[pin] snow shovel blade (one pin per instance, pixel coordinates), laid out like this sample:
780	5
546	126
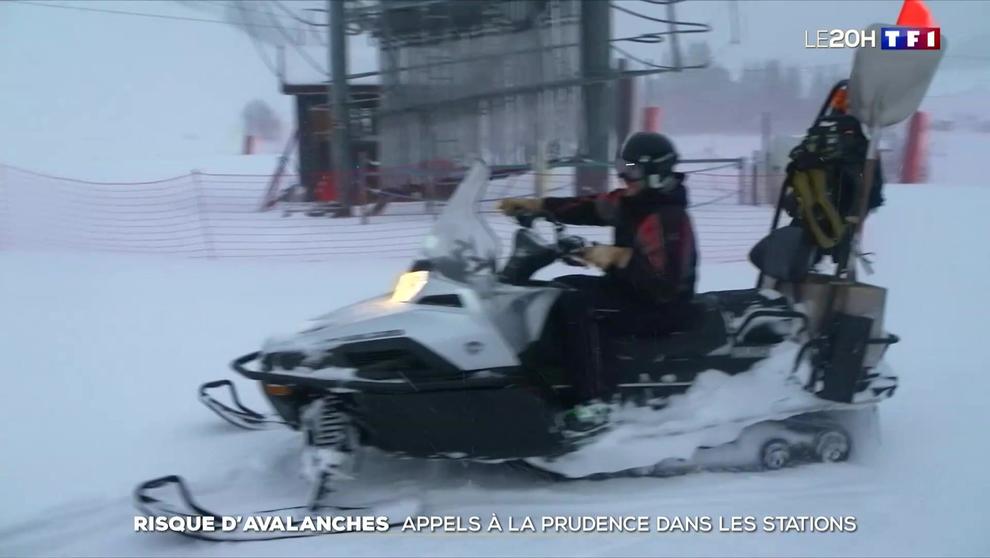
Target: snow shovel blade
887	86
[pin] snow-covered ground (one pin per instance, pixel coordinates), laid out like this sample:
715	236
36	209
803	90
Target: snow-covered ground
102	354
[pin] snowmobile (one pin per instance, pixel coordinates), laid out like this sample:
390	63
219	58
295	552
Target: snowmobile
457	362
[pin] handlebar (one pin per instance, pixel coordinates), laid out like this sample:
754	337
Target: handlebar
530	253
568	246
526	219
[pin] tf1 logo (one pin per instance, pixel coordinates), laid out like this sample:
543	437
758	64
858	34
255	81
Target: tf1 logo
911	38
891	38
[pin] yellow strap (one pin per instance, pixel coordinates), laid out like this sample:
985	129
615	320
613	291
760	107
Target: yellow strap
815	207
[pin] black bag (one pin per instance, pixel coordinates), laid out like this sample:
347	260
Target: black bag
785	254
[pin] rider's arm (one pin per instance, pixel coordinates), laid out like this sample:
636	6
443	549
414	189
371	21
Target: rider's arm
582	210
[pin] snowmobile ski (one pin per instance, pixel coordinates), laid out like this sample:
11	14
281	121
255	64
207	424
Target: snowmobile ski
239	415
169	496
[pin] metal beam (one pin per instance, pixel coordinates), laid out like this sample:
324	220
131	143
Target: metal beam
338	94
675	44
596	64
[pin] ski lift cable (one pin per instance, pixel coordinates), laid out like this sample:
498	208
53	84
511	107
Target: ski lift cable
353	28
136	14
350	27
655	37
649	38
258	49
627	54
633	57
305	55
288	12
705	26
235	4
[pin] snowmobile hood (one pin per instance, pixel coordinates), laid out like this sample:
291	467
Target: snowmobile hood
367	308
323	328
463	335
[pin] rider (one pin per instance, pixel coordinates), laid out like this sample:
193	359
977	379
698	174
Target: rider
649	272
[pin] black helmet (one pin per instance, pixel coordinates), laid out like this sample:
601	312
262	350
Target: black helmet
647	155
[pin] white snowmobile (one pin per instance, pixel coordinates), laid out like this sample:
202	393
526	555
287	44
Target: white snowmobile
450	365
453	364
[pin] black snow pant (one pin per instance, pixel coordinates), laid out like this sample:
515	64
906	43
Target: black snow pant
586	315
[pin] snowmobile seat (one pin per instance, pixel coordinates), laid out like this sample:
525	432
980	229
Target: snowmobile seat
700	327
698	330
745	308
700	333
737	302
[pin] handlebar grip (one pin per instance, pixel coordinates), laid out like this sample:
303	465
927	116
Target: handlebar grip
572	261
525	219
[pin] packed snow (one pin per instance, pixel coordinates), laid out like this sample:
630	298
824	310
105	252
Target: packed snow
104	352
716	410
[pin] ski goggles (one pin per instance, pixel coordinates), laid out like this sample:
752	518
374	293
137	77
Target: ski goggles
629	171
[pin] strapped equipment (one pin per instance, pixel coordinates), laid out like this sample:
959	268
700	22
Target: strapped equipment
815	208
824	175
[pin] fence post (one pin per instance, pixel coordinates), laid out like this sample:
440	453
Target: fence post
204	220
752	184
431	194
362	176
766	130
540	170
741	168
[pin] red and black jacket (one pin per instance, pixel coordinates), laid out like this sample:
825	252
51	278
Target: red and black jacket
656	225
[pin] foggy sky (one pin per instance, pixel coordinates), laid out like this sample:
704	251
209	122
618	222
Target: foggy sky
86	84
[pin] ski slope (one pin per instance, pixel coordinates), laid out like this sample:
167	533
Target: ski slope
102	355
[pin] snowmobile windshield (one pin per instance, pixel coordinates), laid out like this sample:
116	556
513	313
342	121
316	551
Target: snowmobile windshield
461	246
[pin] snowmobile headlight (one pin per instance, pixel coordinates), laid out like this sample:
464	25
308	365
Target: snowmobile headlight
278	390
409	285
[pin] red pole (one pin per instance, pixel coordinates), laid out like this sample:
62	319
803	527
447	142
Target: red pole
651	119
913	170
